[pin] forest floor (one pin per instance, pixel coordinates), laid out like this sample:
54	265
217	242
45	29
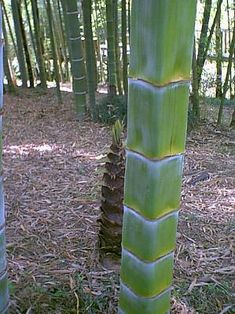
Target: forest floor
53	169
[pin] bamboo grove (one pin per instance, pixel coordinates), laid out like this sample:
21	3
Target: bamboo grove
92	46
88	43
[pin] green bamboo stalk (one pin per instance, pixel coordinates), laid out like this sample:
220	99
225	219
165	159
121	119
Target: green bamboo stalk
30	26
39	55
218	44
229	39
97	19
26	49
20	48
53	48
9	28
129	18
195	87
226	82
7	70
124	47
4	295
63	41
203	33
160	64
66	25
111	48
58	40
116	44
72	26
203	55
90	54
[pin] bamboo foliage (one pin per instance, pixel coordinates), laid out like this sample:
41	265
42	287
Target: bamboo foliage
160	63
4	296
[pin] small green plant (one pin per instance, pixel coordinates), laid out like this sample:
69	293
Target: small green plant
192	120
210	298
111	108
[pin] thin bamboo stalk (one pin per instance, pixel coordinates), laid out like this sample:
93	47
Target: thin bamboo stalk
7	69
19	40
9	28
39	55
111	48
226	82
53	48
30	26
124	47
26	49
90	54
4	299
117	49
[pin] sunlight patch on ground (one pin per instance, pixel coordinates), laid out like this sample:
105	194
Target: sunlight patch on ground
28	148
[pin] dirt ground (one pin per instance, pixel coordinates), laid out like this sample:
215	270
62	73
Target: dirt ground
53	169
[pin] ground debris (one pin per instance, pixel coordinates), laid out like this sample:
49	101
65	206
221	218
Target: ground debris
53	166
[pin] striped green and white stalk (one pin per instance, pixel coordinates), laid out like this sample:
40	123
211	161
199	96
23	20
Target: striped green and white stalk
70	9
161	54
112	73
4	296
91	69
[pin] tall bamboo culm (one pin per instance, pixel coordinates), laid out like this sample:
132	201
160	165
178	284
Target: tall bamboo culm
38	43
4	296
112	73
160	64
72	24
19	40
90	54
53	49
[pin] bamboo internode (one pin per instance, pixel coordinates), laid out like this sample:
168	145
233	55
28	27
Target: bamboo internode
160	62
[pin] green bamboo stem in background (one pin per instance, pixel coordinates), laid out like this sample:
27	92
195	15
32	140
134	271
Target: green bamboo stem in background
65	68
124	47
20	48
53	49
58	39
90	54
58	43
6	60
97	14
226	82
9	28
111	47
72	26
4	295
116	45
162	35
39	55
30	26
219	55
26	48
